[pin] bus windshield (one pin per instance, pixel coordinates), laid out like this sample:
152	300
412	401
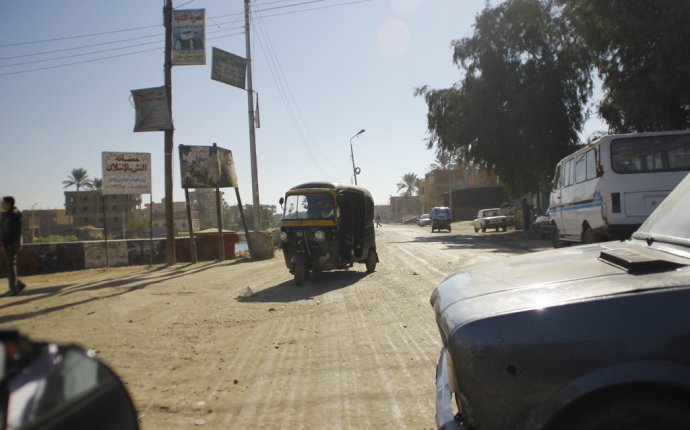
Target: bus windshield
651	154
309	206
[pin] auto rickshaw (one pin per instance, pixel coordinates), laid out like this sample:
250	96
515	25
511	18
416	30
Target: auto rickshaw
440	219
327	226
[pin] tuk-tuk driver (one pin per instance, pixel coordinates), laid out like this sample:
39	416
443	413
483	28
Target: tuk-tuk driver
327	209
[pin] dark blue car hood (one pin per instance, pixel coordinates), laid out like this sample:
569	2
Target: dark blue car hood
543	279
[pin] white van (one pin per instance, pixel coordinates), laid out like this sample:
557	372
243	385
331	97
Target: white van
608	188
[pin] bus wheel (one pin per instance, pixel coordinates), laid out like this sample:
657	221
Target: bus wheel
587	235
300	273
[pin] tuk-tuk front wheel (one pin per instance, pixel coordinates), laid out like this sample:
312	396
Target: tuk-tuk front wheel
372	258
300	272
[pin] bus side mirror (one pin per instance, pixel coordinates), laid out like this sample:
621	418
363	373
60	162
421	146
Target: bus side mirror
281	201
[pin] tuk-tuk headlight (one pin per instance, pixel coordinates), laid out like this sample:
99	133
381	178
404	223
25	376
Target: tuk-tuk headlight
319	236
283	236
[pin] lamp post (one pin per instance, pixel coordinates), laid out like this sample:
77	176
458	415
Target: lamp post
33	222
355	170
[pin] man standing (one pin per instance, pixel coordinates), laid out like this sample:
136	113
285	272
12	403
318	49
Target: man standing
11	238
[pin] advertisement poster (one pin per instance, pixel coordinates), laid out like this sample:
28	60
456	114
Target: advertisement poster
207	167
189	37
126	172
228	68
152	110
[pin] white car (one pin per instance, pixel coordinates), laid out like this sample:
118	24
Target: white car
490	218
424	220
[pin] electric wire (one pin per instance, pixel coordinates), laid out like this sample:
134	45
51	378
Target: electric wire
290	93
123	30
284	97
97	52
93	60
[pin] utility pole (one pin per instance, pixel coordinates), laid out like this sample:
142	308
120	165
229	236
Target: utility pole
252	132
169	215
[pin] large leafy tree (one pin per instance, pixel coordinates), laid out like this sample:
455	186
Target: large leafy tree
520	104
642	53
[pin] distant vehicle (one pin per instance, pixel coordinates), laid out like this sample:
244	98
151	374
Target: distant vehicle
490	218
542	225
607	189
592	337
440	219
424	220
327	226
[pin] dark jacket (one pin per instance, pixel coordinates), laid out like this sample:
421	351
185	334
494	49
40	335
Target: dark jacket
11	227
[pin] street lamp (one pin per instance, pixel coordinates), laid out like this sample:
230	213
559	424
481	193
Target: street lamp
355	170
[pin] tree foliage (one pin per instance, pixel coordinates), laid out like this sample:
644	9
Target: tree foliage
409	184
78	178
641	50
520	105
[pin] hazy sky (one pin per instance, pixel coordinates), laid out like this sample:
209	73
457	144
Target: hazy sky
340	69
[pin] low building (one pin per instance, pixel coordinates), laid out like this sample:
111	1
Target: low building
44	222
179	217
438	182
91	208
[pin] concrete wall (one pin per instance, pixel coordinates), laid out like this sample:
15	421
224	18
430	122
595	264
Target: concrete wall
41	258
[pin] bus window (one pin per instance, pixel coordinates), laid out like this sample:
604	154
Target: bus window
568	173
557	179
580	168
650	154
679	158
591	165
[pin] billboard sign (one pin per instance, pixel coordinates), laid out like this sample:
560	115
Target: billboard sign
152	110
126	172
228	68
207	167
189	37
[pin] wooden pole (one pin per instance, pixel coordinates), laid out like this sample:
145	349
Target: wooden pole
169	215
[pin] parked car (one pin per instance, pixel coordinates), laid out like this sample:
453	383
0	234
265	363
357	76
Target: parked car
490	218
588	337
542	225
424	220
441	219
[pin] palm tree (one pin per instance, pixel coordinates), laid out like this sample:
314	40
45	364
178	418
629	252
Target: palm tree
444	161
96	184
78	178
409	184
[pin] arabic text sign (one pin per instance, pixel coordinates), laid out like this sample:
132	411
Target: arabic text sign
228	68
152	110
189	37
126	172
207	167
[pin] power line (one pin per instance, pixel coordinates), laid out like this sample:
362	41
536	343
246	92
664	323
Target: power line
77	36
83	54
123	30
284	97
290	93
93	60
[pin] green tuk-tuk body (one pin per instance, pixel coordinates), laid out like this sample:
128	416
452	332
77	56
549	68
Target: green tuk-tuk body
327	226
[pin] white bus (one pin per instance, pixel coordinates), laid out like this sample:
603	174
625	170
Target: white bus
605	190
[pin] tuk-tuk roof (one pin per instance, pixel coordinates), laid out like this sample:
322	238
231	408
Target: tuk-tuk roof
337	186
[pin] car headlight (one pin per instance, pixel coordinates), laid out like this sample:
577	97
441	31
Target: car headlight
319	236
283	236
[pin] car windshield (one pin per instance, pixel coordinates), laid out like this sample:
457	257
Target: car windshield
309	206
424	216
492	212
670	221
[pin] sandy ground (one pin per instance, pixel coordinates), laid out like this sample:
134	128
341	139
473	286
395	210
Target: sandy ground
347	350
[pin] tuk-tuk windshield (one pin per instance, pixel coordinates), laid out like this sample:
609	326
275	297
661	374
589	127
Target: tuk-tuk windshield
309	206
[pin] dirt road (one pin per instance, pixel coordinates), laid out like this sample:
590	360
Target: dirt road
347	350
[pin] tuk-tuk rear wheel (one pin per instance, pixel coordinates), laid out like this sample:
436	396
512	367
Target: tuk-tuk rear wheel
371	261
300	272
